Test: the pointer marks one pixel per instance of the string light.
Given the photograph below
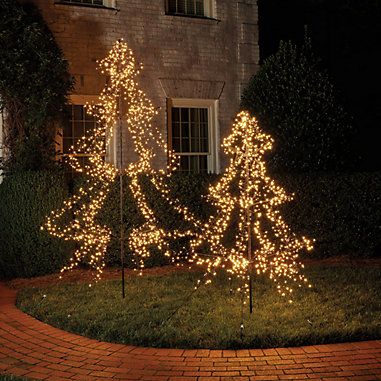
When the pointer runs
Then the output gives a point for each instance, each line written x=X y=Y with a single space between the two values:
x=120 y=103
x=256 y=198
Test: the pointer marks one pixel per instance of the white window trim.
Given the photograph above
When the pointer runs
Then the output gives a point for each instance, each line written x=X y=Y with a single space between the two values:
x=213 y=128
x=210 y=8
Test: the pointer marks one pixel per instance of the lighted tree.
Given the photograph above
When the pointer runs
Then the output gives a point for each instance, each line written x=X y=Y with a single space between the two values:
x=122 y=107
x=263 y=243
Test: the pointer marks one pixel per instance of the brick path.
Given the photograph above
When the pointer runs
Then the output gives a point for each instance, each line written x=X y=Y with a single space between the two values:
x=36 y=350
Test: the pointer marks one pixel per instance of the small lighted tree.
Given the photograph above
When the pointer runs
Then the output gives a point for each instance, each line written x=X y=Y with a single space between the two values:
x=122 y=107
x=263 y=243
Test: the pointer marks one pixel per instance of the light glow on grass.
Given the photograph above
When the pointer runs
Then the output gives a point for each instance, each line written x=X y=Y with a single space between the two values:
x=163 y=311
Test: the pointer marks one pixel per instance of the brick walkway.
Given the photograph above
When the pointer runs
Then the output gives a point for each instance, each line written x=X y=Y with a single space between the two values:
x=36 y=350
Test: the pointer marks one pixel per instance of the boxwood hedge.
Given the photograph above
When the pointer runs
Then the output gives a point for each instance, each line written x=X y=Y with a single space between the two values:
x=341 y=211
x=25 y=199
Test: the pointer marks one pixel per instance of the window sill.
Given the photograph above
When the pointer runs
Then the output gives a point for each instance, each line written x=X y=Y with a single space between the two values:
x=192 y=16
x=63 y=2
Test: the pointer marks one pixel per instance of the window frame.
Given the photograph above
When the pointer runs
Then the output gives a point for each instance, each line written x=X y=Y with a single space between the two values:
x=213 y=165
x=209 y=5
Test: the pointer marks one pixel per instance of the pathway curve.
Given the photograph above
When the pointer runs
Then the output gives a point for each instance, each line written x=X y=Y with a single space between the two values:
x=34 y=349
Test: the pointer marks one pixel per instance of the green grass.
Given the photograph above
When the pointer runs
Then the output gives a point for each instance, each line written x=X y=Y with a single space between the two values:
x=8 y=377
x=163 y=311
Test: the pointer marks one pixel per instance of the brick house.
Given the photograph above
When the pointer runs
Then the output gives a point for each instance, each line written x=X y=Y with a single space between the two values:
x=197 y=56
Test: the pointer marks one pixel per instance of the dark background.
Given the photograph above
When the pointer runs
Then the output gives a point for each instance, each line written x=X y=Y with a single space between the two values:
x=346 y=37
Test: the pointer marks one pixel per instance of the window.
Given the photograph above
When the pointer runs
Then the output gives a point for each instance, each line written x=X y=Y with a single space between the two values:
x=198 y=8
x=77 y=125
x=192 y=134
x=98 y=3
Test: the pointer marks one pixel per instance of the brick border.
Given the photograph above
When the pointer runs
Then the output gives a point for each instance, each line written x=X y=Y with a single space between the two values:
x=36 y=350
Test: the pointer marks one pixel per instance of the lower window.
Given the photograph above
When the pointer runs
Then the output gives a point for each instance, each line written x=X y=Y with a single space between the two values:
x=192 y=135
x=77 y=125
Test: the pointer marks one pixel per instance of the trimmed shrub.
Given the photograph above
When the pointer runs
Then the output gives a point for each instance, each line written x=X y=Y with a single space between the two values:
x=25 y=199
x=297 y=104
x=34 y=84
x=342 y=212
x=190 y=189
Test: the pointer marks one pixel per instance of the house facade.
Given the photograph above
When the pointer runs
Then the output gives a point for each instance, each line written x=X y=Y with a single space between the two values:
x=197 y=55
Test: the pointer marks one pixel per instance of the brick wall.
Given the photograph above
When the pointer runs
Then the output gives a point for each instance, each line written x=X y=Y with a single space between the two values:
x=182 y=56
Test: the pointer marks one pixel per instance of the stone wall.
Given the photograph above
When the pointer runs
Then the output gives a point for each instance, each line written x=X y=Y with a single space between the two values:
x=182 y=56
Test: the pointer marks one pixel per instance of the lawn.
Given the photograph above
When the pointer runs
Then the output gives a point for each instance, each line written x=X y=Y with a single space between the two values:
x=164 y=311
x=7 y=377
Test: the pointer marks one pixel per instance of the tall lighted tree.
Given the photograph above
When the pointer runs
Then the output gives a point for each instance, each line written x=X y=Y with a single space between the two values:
x=122 y=108
x=264 y=243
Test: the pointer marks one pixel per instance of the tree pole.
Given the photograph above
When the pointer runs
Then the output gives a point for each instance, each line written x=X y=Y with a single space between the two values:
x=121 y=190
x=248 y=226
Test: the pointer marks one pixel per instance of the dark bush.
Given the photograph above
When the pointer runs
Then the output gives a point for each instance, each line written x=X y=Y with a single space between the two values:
x=190 y=189
x=297 y=104
x=25 y=199
x=34 y=84
x=341 y=211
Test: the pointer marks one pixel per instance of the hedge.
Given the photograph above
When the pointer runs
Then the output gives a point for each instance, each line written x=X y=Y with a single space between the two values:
x=342 y=212
x=25 y=199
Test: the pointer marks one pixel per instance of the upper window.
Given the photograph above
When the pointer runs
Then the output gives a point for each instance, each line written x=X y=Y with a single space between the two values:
x=98 y=3
x=192 y=134
x=197 y=8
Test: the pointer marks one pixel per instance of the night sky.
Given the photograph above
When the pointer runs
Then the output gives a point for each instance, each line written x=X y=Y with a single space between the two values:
x=346 y=36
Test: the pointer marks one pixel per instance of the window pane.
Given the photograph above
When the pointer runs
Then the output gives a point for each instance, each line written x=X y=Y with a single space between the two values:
x=195 y=130
x=195 y=145
x=175 y=114
x=200 y=8
x=203 y=164
x=194 y=164
x=184 y=115
x=176 y=130
x=190 y=7
x=89 y=128
x=204 y=131
x=185 y=130
x=78 y=112
x=204 y=147
x=78 y=130
x=184 y=163
x=172 y=6
x=67 y=129
x=185 y=145
x=204 y=115
x=176 y=145
x=181 y=6
x=67 y=143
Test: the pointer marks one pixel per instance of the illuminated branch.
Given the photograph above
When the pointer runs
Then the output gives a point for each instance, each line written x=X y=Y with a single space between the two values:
x=264 y=241
x=121 y=99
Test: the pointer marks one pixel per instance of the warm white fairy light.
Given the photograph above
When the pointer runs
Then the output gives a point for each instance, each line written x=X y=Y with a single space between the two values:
x=120 y=103
x=275 y=249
